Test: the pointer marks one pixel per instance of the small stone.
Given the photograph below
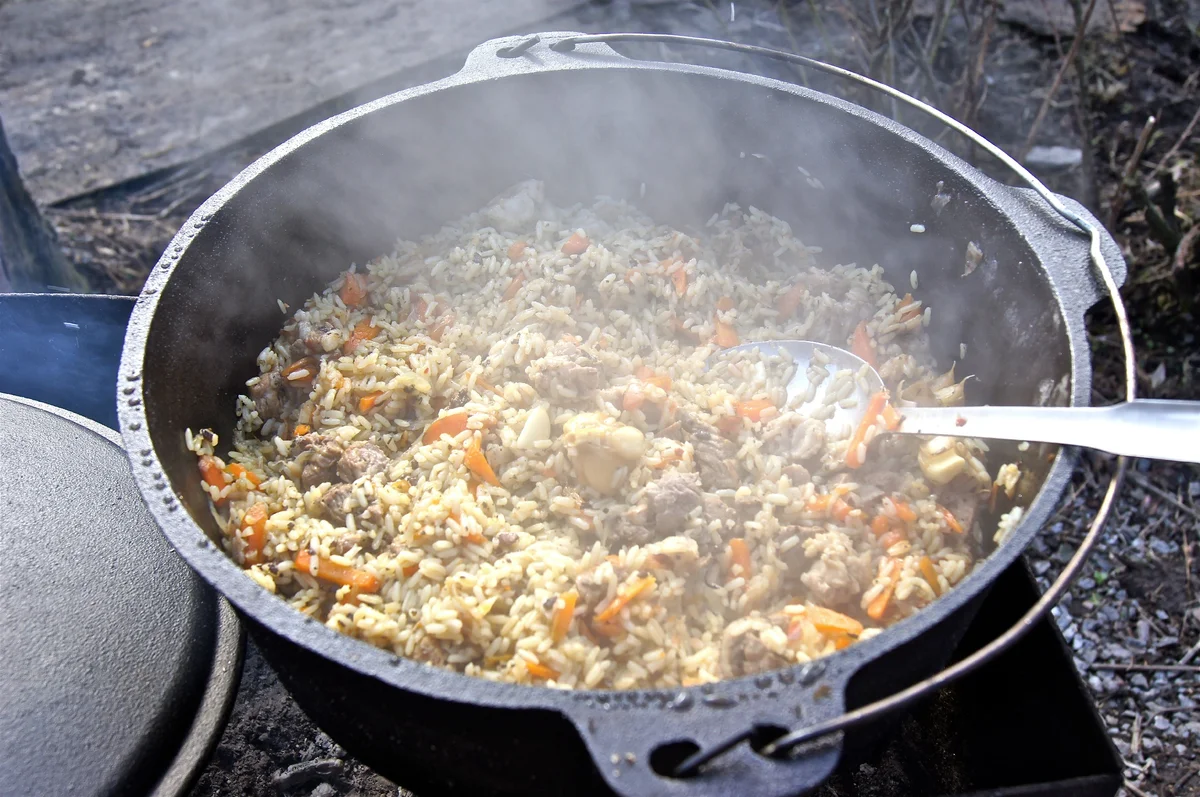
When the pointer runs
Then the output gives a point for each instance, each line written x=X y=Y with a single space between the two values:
x=1181 y=749
x=1115 y=651
x=1161 y=723
x=1163 y=547
x=1087 y=583
x=1063 y=554
x=1139 y=681
x=1040 y=567
x=305 y=772
x=323 y=790
x=1194 y=489
x=1122 y=747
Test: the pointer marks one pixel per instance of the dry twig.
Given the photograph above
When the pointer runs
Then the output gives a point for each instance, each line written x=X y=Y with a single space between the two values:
x=1062 y=70
x=1150 y=486
x=1146 y=667
x=1118 y=201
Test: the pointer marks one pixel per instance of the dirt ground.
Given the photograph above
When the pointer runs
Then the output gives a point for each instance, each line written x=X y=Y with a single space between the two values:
x=1138 y=609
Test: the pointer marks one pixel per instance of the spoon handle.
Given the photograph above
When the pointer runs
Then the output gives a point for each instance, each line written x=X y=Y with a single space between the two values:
x=1150 y=428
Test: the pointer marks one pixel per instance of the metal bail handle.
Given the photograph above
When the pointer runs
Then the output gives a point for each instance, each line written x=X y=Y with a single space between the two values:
x=782 y=745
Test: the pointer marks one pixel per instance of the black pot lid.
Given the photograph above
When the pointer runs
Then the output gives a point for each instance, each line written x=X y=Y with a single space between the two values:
x=118 y=664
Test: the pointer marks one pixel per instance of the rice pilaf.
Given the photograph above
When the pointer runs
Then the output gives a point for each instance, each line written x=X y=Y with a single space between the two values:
x=513 y=449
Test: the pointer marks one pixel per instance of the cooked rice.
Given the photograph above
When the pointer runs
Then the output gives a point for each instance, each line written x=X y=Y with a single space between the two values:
x=440 y=565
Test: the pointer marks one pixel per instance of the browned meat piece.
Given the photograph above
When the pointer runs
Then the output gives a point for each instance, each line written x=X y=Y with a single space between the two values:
x=963 y=500
x=343 y=544
x=715 y=508
x=338 y=502
x=321 y=453
x=591 y=590
x=672 y=498
x=798 y=474
x=507 y=539
x=430 y=652
x=799 y=439
x=316 y=338
x=567 y=372
x=361 y=459
x=743 y=651
x=715 y=456
x=629 y=528
x=268 y=395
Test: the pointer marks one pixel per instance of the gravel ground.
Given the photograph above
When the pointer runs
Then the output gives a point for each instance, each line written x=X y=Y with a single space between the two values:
x=1133 y=619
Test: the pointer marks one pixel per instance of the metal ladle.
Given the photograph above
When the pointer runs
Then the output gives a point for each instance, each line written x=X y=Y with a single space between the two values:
x=1150 y=428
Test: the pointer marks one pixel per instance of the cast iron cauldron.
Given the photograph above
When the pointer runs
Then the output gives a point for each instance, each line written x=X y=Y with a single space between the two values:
x=592 y=122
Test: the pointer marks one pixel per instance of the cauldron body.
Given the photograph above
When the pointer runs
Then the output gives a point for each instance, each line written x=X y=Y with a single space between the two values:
x=681 y=142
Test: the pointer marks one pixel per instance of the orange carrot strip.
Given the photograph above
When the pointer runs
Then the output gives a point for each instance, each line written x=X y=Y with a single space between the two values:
x=861 y=344
x=363 y=330
x=729 y=425
x=367 y=402
x=827 y=621
x=891 y=538
x=211 y=472
x=911 y=312
x=624 y=597
x=752 y=408
x=790 y=301
x=255 y=520
x=644 y=372
x=477 y=463
x=633 y=399
x=842 y=642
x=739 y=559
x=904 y=511
x=725 y=304
x=576 y=245
x=514 y=285
x=516 y=249
x=891 y=418
x=354 y=290
x=301 y=430
x=420 y=308
x=541 y=671
x=876 y=405
x=679 y=278
x=237 y=471
x=879 y=604
x=307 y=366
x=951 y=521
x=452 y=424
x=475 y=538
x=927 y=570
x=409 y=570
x=439 y=328
x=880 y=525
x=335 y=573
x=659 y=381
x=726 y=335
x=840 y=510
x=563 y=616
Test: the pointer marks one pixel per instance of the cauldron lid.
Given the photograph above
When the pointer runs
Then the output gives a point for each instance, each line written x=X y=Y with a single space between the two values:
x=119 y=665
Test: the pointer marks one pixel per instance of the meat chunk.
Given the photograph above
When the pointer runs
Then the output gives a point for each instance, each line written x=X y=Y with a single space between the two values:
x=567 y=373
x=321 y=454
x=338 y=502
x=316 y=338
x=672 y=499
x=715 y=456
x=743 y=651
x=836 y=573
x=430 y=652
x=963 y=500
x=268 y=395
x=796 y=437
x=629 y=528
x=361 y=459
